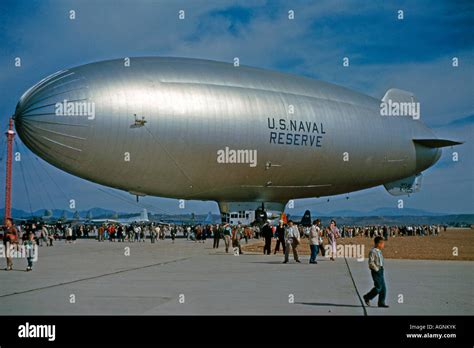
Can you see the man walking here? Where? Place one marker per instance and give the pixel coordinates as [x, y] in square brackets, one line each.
[227, 237]
[100, 234]
[376, 269]
[217, 236]
[236, 237]
[267, 233]
[313, 236]
[292, 239]
[173, 233]
[10, 240]
[280, 235]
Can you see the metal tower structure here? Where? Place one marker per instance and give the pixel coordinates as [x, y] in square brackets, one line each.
[8, 181]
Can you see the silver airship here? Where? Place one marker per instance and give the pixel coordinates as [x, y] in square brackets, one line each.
[206, 130]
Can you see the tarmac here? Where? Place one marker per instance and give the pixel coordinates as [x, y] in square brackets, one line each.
[188, 278]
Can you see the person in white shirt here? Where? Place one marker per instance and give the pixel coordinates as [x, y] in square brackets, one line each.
[376, 266]
[292, 239]
[157, 232]
[68, 234]
[313, 235]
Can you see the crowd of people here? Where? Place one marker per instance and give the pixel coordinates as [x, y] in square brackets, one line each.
[391, 231]
[288, 235]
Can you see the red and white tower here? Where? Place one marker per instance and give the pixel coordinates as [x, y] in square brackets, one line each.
[8, 182]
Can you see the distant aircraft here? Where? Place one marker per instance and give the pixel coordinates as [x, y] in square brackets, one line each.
[209, 219]
[48, 215]
[143, 217]
[46, 218]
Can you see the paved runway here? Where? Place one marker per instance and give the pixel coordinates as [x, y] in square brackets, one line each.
[191, 278]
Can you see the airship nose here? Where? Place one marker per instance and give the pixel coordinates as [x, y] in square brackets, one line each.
[51, 118]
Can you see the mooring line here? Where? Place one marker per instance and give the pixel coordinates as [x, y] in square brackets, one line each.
[355, 287]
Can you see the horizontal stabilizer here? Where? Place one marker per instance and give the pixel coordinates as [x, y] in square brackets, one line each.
[436, 143]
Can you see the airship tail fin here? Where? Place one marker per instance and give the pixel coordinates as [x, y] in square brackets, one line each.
[436, 143]
[398, 95]
[405, 186]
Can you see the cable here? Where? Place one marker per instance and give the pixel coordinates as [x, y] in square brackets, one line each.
[169, 155]
[127, 200]
[4, 147]
[51, 178]
[30, 178]
[41, 182]
[121, 198]
[26, 187]
[355, 287]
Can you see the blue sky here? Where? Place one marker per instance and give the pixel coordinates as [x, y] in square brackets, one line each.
[414, 54]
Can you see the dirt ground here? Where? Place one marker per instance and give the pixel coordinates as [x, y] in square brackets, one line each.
[442, 247]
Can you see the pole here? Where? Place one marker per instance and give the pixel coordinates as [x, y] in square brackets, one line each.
[8, 181]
